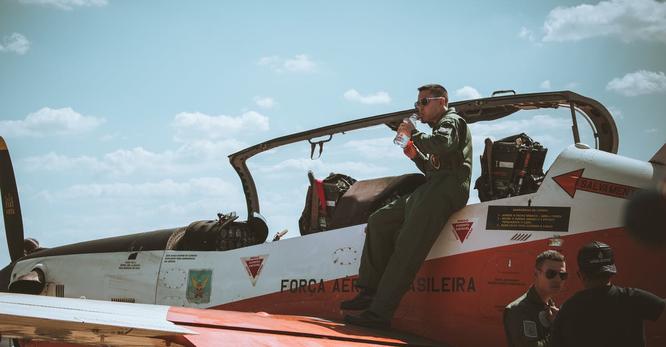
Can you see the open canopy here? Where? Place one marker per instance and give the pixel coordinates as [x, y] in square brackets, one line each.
[485, 109]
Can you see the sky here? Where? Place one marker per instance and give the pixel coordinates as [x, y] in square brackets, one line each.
[120, 115]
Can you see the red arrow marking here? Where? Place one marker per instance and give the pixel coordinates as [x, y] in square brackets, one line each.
[574, 180]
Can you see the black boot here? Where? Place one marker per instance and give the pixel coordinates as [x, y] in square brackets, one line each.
[361, 302]
[368, 319]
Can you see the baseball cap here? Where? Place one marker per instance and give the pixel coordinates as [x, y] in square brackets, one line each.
[596, 258]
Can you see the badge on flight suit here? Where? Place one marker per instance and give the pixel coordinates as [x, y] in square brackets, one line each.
[530, 329]
[444, 131]
[434, 161]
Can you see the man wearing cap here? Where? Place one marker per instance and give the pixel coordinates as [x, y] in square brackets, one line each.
[604, 314]
[400, 234]
[527, 320]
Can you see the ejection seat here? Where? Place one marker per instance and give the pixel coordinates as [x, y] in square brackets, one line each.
[219, 235]
[351, 204]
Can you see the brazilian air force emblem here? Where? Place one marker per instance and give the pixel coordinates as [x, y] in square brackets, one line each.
[199, 286]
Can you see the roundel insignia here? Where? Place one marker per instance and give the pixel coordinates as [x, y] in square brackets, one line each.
[434, 161]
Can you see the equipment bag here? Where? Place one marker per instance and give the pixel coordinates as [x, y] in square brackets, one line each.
[509, 167]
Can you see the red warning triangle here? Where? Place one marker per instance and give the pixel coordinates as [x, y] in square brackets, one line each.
[253, 266]
[462, 229]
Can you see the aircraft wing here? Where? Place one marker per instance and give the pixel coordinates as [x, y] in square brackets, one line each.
[79, 321]
[86, 321]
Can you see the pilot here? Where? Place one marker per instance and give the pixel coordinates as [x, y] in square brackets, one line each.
[603, 314]
[527, 320]
[400, 234]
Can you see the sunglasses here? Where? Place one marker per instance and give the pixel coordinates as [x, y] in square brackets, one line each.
[425, 101]
[550, 274]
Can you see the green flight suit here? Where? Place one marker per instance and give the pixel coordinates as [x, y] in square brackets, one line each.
[523, 324]
[400, 234]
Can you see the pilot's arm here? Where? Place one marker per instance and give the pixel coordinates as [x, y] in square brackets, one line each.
[443, 141]
[521, 329]
[416, 156]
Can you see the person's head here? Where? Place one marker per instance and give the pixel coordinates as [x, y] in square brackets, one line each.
[596, 264]
[550, 273]
[432, 102]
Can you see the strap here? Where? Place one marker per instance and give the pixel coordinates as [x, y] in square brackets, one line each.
[314, 209]
[319, 188]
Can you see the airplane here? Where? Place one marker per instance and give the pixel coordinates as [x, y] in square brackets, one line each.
[482, 260]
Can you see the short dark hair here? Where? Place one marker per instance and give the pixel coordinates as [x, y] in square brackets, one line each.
[548, 255]
[435, 90]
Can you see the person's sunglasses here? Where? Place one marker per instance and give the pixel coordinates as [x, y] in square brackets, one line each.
[550, 274]
[425, 101]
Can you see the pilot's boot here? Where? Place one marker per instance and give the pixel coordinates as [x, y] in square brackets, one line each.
[368, 319]
[361, 302]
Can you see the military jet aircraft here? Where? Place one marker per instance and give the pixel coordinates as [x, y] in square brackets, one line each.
[482, 260]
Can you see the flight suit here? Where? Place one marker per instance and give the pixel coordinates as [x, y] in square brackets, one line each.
[400, 234]
[525, 323]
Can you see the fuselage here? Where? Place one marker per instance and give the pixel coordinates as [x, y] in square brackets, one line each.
[483, 259]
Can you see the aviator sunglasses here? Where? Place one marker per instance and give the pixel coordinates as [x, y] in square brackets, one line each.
[425, 101]
[550, 274]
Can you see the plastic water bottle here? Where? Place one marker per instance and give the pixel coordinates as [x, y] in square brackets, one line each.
[402, 138]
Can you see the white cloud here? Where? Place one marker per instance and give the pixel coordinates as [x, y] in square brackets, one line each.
[615, 112]
[545, 85]
[196, 125]
[190, 157]
[48, 121]
[526, 34]
[56, 162]
[639, 83]
[506, 127]
[16, 43]
[651, 131]
[545, 129]
[375, 148]
[299, 63]
[66, 4]
[202, 147]
[380, 97]
[628, 20]
[203, 186]
[264, 102]
[352, 168]
[273, 60]
[467, 92]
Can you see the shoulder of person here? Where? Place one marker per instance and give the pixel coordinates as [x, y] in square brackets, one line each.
[447, 122]
[520, 301]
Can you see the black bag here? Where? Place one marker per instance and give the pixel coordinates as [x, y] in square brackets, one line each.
[509, 167]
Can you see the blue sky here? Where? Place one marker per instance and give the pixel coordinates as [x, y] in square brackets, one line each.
[120, 115]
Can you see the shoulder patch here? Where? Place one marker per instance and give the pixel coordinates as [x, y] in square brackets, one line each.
[530, 329]
[444, 131]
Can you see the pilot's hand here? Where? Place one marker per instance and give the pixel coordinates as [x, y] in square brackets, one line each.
[551, 312]
[410, 150]
[406, 127]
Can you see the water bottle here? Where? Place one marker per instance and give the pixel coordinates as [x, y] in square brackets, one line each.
[402, 138]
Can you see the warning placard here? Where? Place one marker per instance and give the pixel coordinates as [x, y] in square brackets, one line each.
[533, 218]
